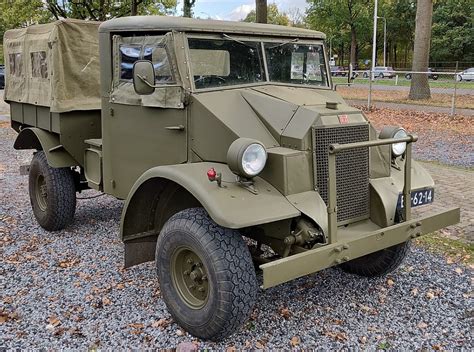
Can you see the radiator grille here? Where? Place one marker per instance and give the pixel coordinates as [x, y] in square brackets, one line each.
[352, 170]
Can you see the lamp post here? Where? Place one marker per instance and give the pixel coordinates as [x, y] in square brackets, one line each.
[384, 39]
[374, 51]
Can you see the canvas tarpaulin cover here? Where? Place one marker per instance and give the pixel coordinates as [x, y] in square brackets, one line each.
[54, 65]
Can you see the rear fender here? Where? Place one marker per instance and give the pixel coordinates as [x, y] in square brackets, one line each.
[35, 138]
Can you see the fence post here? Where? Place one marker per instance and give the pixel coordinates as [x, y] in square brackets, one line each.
[369, 100]
[453, 101]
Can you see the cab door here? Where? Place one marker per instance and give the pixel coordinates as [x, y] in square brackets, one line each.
[141, 132]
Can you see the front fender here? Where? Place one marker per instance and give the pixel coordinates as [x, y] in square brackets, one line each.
[385, 191]
[35, 138]
[230, 206]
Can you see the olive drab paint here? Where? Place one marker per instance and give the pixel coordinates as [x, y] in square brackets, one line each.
[329, 190]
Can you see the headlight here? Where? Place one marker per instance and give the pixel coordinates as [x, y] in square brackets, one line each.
[246, 157]
[395, 132]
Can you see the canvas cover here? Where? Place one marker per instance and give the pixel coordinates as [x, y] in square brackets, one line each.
[54, 65]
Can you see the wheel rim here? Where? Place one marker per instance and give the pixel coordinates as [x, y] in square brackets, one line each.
[41, 193]
[190, 277]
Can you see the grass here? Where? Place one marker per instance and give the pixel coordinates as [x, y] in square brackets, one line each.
[396, 96]
[456, 251]
[402, 82]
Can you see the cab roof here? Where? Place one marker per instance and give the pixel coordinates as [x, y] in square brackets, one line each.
[167, 23]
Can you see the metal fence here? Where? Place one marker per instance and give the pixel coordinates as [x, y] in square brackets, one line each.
[437, 91]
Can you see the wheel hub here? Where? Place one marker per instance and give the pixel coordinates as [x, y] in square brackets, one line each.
[189, 277]
[41, 193]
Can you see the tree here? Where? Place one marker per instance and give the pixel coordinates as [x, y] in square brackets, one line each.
[420, 88]
[101, 10]
[274, 16]
[453, 31]
[261, 11]
[340, 15]
[188, 8]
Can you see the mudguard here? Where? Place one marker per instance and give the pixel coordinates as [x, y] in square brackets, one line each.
[231, 205]
[35, 138]
[387, 190]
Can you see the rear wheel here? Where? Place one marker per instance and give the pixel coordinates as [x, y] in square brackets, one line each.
[378, 263]
[206, 275]
[52, 194]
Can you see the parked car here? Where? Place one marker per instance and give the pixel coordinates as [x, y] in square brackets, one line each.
[2, 77]
[338, 71]
[381, 72]
[431, 75]
[466, 75]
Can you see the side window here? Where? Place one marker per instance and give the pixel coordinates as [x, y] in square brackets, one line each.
[129, 53]
[159, 58]
[16, 64]
[39, 64]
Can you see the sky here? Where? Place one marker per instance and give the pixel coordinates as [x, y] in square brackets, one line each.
[236, 10]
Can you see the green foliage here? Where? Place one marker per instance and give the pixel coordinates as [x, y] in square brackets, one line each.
[101, 10]
[274, 16]
[453, 31]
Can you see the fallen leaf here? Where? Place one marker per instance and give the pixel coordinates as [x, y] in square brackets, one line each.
[285, 313]
[422, 325]
[458, 270]
[106, 301]
[414, 291]
[54, 321]
[259, 345]
[363, 339]
[136, 325]
[161, 323]
[295, 341]
[430, 295]
[390, 282]
[179, 332]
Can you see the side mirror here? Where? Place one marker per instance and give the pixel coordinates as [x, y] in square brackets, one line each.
[350, 77]
[143, 77]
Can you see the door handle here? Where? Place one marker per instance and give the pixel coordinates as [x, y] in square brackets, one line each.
[175, 128]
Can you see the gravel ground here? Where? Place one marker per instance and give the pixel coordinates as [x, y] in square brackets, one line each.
[68, 290]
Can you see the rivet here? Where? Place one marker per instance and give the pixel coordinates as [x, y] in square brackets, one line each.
[337, 249]
[412, 226]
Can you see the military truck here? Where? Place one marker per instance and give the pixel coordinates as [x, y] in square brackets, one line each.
[230, 147]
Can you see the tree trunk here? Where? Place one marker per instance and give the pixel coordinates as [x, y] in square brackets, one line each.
[133, 10]
[353, 46]
[420, 88]
[261, 11]
[188, 8]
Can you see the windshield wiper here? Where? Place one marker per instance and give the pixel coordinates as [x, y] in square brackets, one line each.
[237, 41]
[284, 43]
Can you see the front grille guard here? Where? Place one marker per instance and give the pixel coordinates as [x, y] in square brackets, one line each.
[332, 191]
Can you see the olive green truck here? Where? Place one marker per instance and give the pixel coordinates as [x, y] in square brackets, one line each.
[230, 147]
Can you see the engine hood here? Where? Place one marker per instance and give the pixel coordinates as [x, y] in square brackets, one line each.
[272, 114]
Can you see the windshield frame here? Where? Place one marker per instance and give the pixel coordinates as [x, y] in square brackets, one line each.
[261, 40]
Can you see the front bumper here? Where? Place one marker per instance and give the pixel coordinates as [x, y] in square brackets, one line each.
[355, 240]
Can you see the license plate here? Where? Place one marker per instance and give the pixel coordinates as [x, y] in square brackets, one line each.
[418, 197]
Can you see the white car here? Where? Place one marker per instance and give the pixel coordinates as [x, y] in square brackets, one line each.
[466, 75]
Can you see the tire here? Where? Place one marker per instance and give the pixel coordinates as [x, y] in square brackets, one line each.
[459, 78]
[408, 76]
[378, 263]
[206, 275]
[52, 194]
[381, 75]
[365, 75]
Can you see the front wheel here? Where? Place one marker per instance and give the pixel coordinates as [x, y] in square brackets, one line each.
[206, 275]
[52, 193]
[378, 263]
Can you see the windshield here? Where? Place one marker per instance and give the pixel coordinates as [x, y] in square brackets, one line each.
[296, 63]
[222, 62]
[231, 61]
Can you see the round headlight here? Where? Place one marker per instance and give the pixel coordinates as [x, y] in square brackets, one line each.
[246, 157]
[395, 132]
